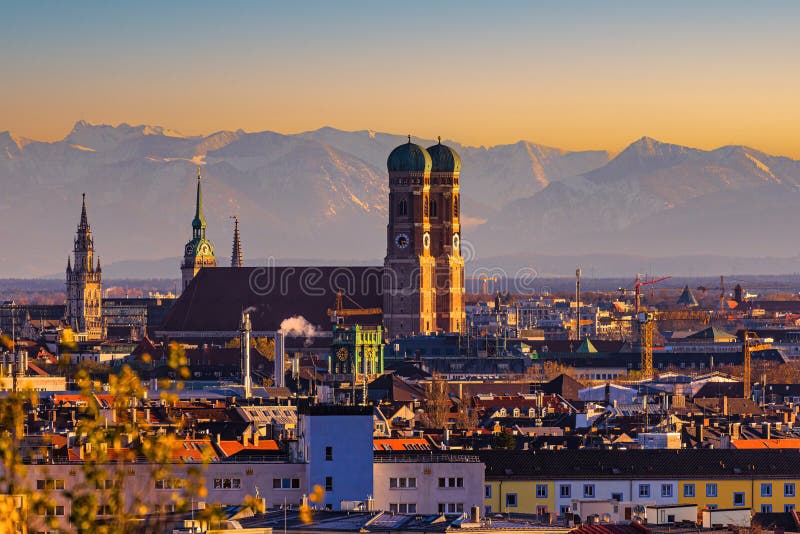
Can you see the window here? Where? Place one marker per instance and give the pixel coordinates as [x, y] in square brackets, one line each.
[434, 209]
[402, 483]
[588, 490]
[225, 483]
[766, 490]
[104, 509]
[688, 490]
[644, 490]
[57, 510]
[328, 483]
[666, 490]
[711, 490]
[402, 208]
[788, 508]
[488, 509]
[565, 490]
[738, 498]
[511, 500]
[541, 491]
[711, 506]
[107, 484]
[175, 483]
[487, 491]
[541, 510]
[451, 482]
[564, 509]
[328, 454]
[50, 484]
[451, 507]
[282, 483]
[788, 489]
[766, 508]
[403, 508]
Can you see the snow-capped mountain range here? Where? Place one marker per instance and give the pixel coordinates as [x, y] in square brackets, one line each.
[323, 194]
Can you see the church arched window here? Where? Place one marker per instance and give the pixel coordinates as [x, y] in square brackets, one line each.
[426, 208]
[434, 209]
[455, 206]
[402, 208]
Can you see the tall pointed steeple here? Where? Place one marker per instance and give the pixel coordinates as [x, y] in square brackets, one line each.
[84, 224]
[199, 222]
[84, 283]
[199, 252]
[236, 255]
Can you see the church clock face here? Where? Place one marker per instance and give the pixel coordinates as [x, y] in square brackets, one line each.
[456, 242]
[204, 249]
[401, 240]
[342, 354]
[189, 250]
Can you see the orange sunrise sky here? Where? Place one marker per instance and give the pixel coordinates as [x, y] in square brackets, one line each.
[574, 75]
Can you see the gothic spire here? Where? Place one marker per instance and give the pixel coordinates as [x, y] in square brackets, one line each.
[99, 269]
[69, 265]
[84, 219]
[199, 221]
[236, 255]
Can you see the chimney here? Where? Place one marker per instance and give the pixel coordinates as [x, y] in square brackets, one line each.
[475, 516]
[700, 436]
[255, 438]
[280, 378]
[765, 431]
[219, 439]
[245, 329]
[725, 405]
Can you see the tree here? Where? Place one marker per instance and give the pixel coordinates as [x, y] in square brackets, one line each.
[106, 478]
[438, 403]
[504, 440]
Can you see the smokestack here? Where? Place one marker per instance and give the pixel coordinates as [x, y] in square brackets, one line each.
[246, 328]
[280, 378]
[725, 405]
[765, 431]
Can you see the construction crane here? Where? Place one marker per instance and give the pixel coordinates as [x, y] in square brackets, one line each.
[484, 279]
[646, 321]
[721, 290]
[637, 289]
[750, 344]
[340, 312]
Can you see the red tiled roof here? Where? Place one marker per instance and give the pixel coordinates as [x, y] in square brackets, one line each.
[231, 447]
[401, 444]
[783, 443]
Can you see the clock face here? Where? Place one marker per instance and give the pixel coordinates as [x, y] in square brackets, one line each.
[426, 240]
[456, 242]
[189, 250]
[204, 249]
[342, 354]
[401, 241]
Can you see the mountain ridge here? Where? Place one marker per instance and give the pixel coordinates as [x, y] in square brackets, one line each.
[322, 193]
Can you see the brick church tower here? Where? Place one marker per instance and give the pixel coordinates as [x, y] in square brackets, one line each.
[409, 296]
[84, 284]
[445, 209]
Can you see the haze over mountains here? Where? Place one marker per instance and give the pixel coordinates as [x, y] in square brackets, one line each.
[321, 195]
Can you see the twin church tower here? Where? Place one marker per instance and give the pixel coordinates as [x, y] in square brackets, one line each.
[423, 287]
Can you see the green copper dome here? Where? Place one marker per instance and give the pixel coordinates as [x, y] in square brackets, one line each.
[444, 158]
[409, 158]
